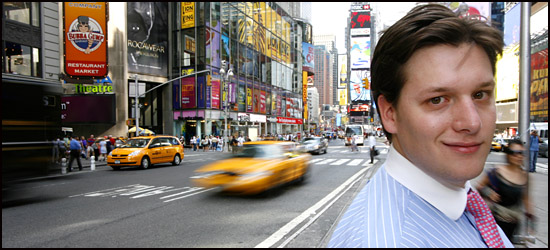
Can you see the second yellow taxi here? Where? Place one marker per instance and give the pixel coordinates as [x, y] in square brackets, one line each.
[255, 168]
[144, 151]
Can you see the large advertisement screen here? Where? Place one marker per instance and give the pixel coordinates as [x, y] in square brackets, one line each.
[507, 75]
[85, 33]
[88, 109]
[360, 19]
[360, 53]
[356, 90]
[148, 38]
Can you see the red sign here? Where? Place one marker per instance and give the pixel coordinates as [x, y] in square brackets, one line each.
[289, 120]
[85, 29]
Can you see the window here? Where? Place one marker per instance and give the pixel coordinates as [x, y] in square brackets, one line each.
[21, 59]
[23, 12]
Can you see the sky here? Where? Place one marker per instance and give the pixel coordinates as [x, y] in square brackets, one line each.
[331, 18]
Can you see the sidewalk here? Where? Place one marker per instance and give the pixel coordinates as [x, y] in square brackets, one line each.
[86, 164]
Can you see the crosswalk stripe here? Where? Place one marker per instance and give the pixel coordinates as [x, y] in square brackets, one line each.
[355, 162]
[367, 162]
[340, 162]
[326, 161]
[316, 160]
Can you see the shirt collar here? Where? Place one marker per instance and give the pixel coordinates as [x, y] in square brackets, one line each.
[451, 201]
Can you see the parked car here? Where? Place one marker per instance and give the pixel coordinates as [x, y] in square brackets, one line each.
[314, 145]
[498, 144]
[258, 167]
[543, 148]
[144, 151]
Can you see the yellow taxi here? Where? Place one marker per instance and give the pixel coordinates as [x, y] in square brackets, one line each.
[256, 167]
[498, 144]
[144, 151]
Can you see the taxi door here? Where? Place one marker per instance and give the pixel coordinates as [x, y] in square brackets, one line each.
[156, 151]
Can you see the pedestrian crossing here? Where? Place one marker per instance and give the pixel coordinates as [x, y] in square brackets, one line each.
[342, 162]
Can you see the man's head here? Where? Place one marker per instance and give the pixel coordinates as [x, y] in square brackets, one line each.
[534, 132]
[433, 84]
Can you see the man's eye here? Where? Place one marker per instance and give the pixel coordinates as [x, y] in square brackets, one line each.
[436, 100]
[479, 95]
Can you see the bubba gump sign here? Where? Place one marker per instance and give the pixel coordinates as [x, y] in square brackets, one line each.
[85, 43]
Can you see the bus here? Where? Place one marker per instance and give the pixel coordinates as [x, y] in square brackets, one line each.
[31, 120]
[356, 130]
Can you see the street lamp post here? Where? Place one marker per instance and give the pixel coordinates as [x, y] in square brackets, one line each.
[225, 72]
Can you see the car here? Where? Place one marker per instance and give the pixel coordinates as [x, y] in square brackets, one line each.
[314, 145]
[145, 151]
[257, 168]
[498, 144]
[543, 148]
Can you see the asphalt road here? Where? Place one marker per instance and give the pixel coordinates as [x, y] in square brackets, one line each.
[159, 207]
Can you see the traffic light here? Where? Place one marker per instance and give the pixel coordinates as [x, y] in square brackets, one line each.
[366, 83]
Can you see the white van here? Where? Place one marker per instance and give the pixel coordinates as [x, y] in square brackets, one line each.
[357, 130]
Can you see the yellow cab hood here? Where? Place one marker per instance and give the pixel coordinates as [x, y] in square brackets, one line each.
[125, 151]
[239, 165]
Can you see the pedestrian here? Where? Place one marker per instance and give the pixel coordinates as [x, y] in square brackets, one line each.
[220, 144]
[192, 141]
[108, 144]
[215, 143]
[506, 189]
[103, 149]
[62, 148]
[90, 149]
[96, 147]
[433, 86]
[75, 149]
[83, 144]
[354, 143]
[234, 144]
[55, 150]
[240, 142]
[534, 141]
[198, 142]
[204, 143]
[113, 143]
[248, 139]
[372, 147]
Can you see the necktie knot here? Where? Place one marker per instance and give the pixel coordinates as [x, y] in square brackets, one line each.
[485, 222]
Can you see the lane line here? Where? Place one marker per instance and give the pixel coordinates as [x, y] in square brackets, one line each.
[340, 162]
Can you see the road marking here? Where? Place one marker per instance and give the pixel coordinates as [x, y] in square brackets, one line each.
[139, 191]
[355, 162]
[326, 161]
[334, 196]
[340, 162]
[316, 160]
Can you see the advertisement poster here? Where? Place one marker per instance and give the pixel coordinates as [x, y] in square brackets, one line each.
[213, 48]
[201, 91]
[279, 104]
[187, 92]
[360, 53]
[262, 102]
[273, 102]
[148, 38]
[507, 75]
[342, 71]
[176, 94]
[242, 98]
[85, 38]
[539, 86]
[249, 104]
[215, 92]
[187, 15]
[342, 96]
[308, 57]
[256, 100]
[356, 91]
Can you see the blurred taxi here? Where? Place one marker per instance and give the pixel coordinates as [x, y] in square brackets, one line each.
[144, 151]
[498, 144]
[259, 166]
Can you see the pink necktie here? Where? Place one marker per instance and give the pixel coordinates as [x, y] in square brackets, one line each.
[485, 221]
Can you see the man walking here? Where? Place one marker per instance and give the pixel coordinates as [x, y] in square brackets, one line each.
[75, 148]
[533, 151]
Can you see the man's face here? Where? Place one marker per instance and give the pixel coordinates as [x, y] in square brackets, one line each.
[445, 117]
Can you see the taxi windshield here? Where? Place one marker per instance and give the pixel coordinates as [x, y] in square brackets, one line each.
[136, 143]
[260, 151]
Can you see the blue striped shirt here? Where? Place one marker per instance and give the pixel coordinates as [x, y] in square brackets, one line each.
[387, 213]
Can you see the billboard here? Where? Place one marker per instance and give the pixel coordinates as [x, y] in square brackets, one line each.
[360, 20]
[360, 53]
[539, 86]
[342, 97]
[342, 71]
[85, 39]
[507, 75]
[148, 38]
[187, 92]
[356, 90]
[308, 57]
[88, 109]
[187, 15]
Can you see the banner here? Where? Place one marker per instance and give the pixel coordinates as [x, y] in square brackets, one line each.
[85, 32]
[148, 38]
[342, 71]
[539, 86]
[308, 57]
[342, 97]
[188, 92]
[187, 15]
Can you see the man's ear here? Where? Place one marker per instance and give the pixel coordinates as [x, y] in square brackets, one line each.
[387, 114]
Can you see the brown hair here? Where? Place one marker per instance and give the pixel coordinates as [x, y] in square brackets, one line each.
[424, 26]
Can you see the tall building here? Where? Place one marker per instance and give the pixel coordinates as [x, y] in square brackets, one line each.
[314, 111]
[323, 74]
[329, 41]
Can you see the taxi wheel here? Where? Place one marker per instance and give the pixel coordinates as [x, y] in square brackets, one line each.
[116, 167]
[177, 160]
[145, 162]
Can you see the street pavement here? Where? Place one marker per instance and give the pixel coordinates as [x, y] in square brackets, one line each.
[538, 190]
